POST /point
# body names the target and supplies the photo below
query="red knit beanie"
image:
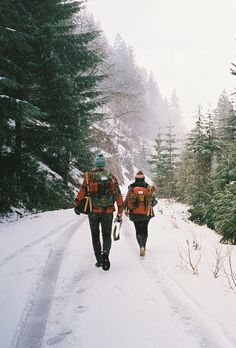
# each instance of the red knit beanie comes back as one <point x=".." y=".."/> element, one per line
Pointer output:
<point x="139" y="175"/>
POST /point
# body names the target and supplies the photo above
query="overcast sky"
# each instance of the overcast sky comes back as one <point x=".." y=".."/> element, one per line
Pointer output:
<point x="188" y="44"/>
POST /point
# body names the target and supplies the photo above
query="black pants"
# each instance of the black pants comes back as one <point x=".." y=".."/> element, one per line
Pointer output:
<point x="141" y="228"/>
<point x="106" y="228"/>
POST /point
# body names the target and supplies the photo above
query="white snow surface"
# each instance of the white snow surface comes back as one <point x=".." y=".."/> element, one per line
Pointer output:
<point x="52" y="295"/>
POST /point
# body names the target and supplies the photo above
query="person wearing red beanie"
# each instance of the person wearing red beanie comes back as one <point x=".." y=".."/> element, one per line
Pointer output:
<point x="138" y="206"/>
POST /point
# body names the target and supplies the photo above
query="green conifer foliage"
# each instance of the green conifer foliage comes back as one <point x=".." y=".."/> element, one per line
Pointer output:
<point x="224" y="194"/>
<point x="67" y="85"/>
<point x="164" y="163"/>
<point x="207" y="174"/>
<point x="194" y="181"/>
<point x="18" y="110"/>
<point x="48" y="89"/>
<point x="157" y="164"/>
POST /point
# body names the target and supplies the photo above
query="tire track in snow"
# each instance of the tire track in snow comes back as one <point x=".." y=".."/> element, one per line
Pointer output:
<point x="214" y="336"/>
<point x="196" y="322"/>
<point x="185" y="308"/>
<point x="27" y="246"/>
<point x="187" y="313"/>
<point x="32" y="325"/>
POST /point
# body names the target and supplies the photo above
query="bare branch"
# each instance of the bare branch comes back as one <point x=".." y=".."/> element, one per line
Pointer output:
<point x="188" y="261"/>
<point x="219" y="260"/>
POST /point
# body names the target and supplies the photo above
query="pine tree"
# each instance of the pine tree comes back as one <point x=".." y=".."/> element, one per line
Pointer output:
<point x="194" y="181"/>
<point x="224" y="188"/>
<point x="18" y="108"/>
<point x="141" y="157"/>
<point x="157" y="114"/>
<point x="157" y="164"/>
<point x="127" y="98"/>
<point x="222" y="109"/>
<point x="68" y="85"/>
<point x="170" y="152"/>
<point x="175" y="114"/>
<point x="49" y="92"/>
<point x="164" y="163"/>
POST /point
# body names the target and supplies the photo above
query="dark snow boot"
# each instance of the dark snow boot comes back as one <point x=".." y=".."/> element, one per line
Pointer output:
<point x="105" y="262"/>
<point x="98" y="264"/>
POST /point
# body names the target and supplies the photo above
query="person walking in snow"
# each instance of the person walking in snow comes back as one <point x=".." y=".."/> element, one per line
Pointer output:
<point x="101" y="190"/>
<point x="139" y="203"/>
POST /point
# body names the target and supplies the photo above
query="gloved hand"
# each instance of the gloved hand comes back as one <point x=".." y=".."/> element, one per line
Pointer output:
<point x="76" y="210"/>
<point x="118" y="218"/>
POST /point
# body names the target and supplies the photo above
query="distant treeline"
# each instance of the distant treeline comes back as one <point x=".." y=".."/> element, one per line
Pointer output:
<point x="203" y="175"/>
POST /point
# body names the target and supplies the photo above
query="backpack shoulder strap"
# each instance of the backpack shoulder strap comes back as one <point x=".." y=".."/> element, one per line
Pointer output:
<point x="88" y="177"/>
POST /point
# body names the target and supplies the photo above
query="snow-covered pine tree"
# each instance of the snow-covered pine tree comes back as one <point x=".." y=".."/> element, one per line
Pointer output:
<point x="222" y="109"/>
<point x="224" y="185"/>
<point x="194" y="182"/>
<point x="120" y="132"/>
<point x="157" y="114"/>
<point x="48" y="97"/>
<point x="175" y="115"/>
<point x="157" y="164"/>
<point x="127" y="90"/>
<point x="164" y="163"/>
<point x="170" y="152"/>
<point x="68" y="86"/>
<point x="141" y="159"/>
<point x="19" y="109"/>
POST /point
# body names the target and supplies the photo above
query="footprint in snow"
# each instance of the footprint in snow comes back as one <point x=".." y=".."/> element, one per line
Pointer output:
<point x="185" y="320"/>
<point x="80" y="291"/>
<point x="58" y="338"/>
<point x="82" y="309"/>
<point x="118" y="289"/>
<point x="59" y="298"/>
<point x="150" y="300"/>
<point x="204" y="343"/>
<point x="175" y="309"/>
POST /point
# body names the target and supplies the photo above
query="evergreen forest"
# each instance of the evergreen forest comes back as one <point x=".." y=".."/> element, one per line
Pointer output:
<point x="203" y="173"/>
<point x="66" y="94"/>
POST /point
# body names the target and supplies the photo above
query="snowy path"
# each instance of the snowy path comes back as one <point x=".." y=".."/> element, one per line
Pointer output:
<point x="26" y="248"/>
<point x="126" y="307"/>
<point x="31" y="331"/>
<point x="59" y="298"/>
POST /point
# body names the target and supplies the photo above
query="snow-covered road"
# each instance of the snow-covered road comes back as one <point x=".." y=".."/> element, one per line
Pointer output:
<point x="51" y="294"/>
